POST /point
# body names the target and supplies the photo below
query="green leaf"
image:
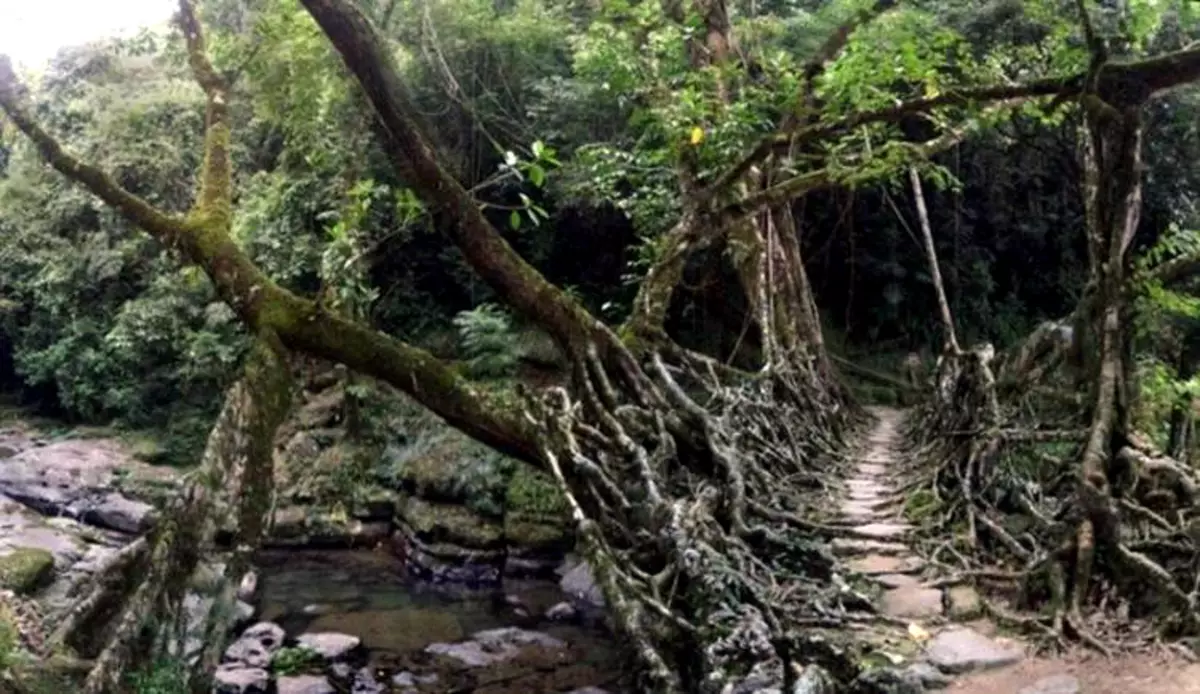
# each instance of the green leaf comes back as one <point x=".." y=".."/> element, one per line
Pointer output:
<point x="514" y="219"/>
<point x="537" y="175"/>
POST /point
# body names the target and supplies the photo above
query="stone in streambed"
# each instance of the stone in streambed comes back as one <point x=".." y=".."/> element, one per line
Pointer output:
<point x="304" y="684"/>
<point x="957" y="651"/>
<point x="330" y="645"/>
<point x="232" y="678"/>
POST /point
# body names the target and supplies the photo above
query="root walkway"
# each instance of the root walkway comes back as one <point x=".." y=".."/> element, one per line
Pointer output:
<point x="936" y="629"/>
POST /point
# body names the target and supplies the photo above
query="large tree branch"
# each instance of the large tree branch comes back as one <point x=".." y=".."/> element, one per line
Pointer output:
<point x="204" y="240"/>
<point x="214" y="201"/>
<point x="1117" y="83"/>
<point x="516" y="282"/>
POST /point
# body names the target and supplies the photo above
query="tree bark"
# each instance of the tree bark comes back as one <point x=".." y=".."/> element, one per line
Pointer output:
<point x="951" y="339"/>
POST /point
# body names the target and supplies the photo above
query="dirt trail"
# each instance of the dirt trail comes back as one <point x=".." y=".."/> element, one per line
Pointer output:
<point x="964" y="652"/>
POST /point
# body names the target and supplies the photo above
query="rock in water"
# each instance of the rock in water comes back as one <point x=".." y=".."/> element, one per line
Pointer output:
<point x="232" y="678"/>
<point x="330" y="645"/>
<point x="256" y="646"/>
<point x="304" y="684"/>
<point x="956" y="651"/>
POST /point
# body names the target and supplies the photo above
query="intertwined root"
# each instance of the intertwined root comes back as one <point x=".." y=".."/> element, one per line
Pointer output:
<point x="1013" y="497"/>
<point x="692" y="516"/>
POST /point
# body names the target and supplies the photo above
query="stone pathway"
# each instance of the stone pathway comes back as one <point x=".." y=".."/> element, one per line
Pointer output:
<point x="877" y="547"/>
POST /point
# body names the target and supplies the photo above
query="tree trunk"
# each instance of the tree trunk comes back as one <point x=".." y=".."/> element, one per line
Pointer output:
<point x="950" y="339"/>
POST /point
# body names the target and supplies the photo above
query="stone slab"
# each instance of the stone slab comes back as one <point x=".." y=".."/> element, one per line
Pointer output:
<point x="1055" y="684"/>
<point x="897" y="580"/>
<point x="960" y="650"/>
<point x="912" y="602"/>
<point x="882" y="531"/>
<point x="843" y="545"/>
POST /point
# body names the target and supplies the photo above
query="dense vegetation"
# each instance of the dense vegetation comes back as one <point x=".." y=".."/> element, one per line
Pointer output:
<point x="728" y="187"/>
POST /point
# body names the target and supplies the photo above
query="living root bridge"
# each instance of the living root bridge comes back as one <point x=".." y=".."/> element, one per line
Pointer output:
<point x="691" y="517"/>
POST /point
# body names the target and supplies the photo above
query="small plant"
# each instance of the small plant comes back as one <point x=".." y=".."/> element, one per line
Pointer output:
<point x="487" y="336"/>
<point x="162" y="677"/>
<point x="294" y="660"/>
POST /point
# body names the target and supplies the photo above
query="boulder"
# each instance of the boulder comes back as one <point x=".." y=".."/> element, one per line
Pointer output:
<point x="233" y="678"/>
<point x="580" y="585"/>
<point x="76" y="479"/>
<point x="256" y="646"/>
<point x="493" y="646"/>
<point x="957" y="651"/>
<point x="304" y="684"/>
<point x="23" y="570"/>
<point x="330" y="645"/>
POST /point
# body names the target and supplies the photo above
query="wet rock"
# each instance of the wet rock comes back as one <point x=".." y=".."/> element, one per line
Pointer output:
<point x="238" y="679"/>
<point x="814" y="680"/>
<point x="365" y="683"/>
<point x="580" y="585"/>
<point x="410" y="679"/>
<point x="330" y="645"/>
<point x="562" y="612"/>
<point x="248" y="587"/>
<point x="304" y="684"/>
<point x="887" y="680"/>
<point x="929" y="676"/>
<point x="957" y="651"/>
<point x="493" y="646"/>
<point x="912" y="602"/>
<point x="256" y="646"/>
<point x="449" y="563"/>
<point x="75" y="479"/>
<point x="1055" y="684"/>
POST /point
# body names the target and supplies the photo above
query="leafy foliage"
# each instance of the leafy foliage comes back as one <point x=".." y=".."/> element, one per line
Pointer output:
<point x="488" y="341"/>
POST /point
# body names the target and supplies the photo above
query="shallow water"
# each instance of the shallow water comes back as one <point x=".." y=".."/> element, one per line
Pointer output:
<point x="369" y="595"/>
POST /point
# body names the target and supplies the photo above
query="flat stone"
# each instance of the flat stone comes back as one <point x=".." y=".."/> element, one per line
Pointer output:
<point x="330" y="645"/>
<point x="912" y="602"/>
<point x="842" y="545"/>
<point x="1055" y="684"/>
<point x="866" y="495"/>
<point x="876" y="564"/>
<point x="304" y="684"/>
<point x="957" y="651"/>
<point x="896" y="580"/>
<point x="872" y="470"/>
<point x="964" y="602"/>
<point x="236" y="679"/>
<point x="882" y="531"/>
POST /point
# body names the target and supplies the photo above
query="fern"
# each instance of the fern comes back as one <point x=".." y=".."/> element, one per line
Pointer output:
<point x="488" y="340"/>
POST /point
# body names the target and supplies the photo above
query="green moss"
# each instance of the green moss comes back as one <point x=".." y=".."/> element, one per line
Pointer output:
<point x="433" y="522"/>
<point x="920" y="505"/>
<point x="537" y="534"/>
<point x="531" y="492"/>
<point x="25" y="569"/>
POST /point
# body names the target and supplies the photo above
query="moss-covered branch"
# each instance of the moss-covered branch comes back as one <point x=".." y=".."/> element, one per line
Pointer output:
<point x="203" y="238"/>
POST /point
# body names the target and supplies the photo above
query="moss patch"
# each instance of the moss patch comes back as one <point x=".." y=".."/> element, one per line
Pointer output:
<point x="537" y="534"/>
<point x="434" y="522"/>
<point x="531" y="492"/>
<point x="25" y="569"/>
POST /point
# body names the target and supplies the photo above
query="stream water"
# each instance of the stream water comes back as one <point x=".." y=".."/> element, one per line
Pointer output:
<point x="369" y="595"/>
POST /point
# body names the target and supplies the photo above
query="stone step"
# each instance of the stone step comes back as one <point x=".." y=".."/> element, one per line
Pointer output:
<point x="871" y="470"/>
<point x="871" y="495"/>
<point x="844" y="546"/>
<point x="877" y="564"/>
<point x="896" y="580"/>
<point x="911" y="602"/>
<point x="882" y="531"/>
<point x="959" y="650"/>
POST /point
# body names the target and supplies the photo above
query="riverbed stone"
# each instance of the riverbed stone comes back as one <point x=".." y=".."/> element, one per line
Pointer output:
<point x="960" y="650"/>
<point x="256" y="646"/>
<point x="580" y="585"/>
<point x="304" y="684"/>
<point x="238" y="679"/>
<point x="330" y="645"/>
<point x="493" y="646"/>
<point x="1055" y="684"/>
<point x="912" y="602"/>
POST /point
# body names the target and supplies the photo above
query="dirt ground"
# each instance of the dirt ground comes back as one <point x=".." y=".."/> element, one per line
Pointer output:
<point x="1126" y="674"/>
